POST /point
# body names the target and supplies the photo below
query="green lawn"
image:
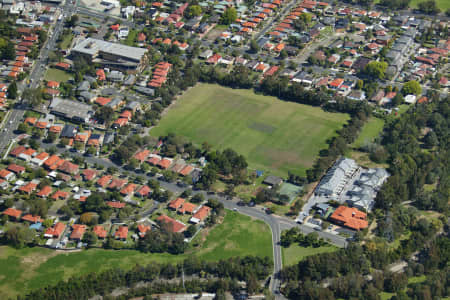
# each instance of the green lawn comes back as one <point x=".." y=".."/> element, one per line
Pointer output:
<point x="443" y="5"/>
<point x="67" y="40"/>
<point x="57" y="75"/>
<point x="295" y="253"/>
<point x="32" y="268"/>
<point x="275" y="136"/>
<point x="369" y="132"/>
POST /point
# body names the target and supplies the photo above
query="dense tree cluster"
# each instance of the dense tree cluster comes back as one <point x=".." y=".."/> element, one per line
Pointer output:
<point x="160" y="278"/>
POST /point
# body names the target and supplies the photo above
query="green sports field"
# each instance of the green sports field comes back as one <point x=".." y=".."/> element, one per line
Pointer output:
<point x="275" y="136"/>
<point x="33" y="268"/>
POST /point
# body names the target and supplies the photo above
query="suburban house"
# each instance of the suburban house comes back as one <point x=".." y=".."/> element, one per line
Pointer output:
<point x="173" y="225"/>
<point x="121" y="233"/>
<point x="349" y="217"/>
<point x="55" y="231"/>
<point x="78" y="231"/>
<point x="200" y="215"/>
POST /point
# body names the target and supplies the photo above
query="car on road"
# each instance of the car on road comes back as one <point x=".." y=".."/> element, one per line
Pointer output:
<point x="235" y="209"/>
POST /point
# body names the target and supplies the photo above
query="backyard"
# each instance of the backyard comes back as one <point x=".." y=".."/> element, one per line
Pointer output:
<point x="275" y="136"/>
<point x="57" y="75"/>
<point x="32" y="268"/>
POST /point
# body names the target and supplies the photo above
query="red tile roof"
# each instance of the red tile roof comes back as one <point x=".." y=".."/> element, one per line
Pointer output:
<point x="89" y="174"/>
<point x="186" y="170"/>
<point x="188" y="208"/>
<point x="165" y="163"/>
<point x="32" y="219"/>
<point x="177" y="203"/>
<point x="16" y="168"/>
<point x="174" y="225"/>
<point x="28" y="188"/>
<point x="143" y="191"/>
<point x="349" y="217"/>
<point x="129" y="189"/>
<point x="117" y="183"/>
<point x="142" y="155"/>
<point x="56" y="230"/>
<point x="104" y="180"/>
<point x="77" y="232"/>
<point x="68" y="167"/>
<point x="45" y="191"/>
<point x="60" y="195"/>
<point x="202" y="213"/>
<point x="100" y="231"/>
<point x="4" y="173"/>
<point x="143" y="229"/>
<point x="115" y="204"/>
<point x="122" y="232"/>
<point x="102" y="101"/>
<point x="12" y="212"/>
<point x="18" y="150"/>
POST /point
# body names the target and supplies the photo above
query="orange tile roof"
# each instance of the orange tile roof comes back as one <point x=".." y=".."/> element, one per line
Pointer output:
<point x="16" y="168"/>
<point x="143" y="191"/>
<point x="129" y="189"/>
<point x="177" y="203"/>
<point x="52" y="160"/>
<point x="32" y="219"/>
<point x="18" y="150"/>
<point x="12" y="212"/>
<point x="189" y="207"/>
<point x="142" y="155"/>
<point x="115" y="204"/>
<point x="186" y="170"/>
<point x="350" y="217"/>
<point x="117" y="183"/>
<point x="4" y="173"/>
<point x="60" y="195"/>
<point x="89" y="174"/>
<point x="175" y="226"/>
<point x="45" y="191"/>
<point x="143" y="229"/>
<point x="102" y="101"/>
<point x="104" y="180"/>
<point x="202" y="213"/>
<point x="42" y="156"/>
<point x="122" y="232"/>
<point x="100" y="231"/>
<point x="56" y="230"/>
<point x="28" y="188"/>
<point x="55" y="129"/>
<point x="30" y="120"/>
<point x="165" y="163"/>
<point x="77" y="232"/>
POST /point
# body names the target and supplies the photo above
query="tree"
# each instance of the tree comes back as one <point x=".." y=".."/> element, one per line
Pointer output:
<point x="105" y="115"/>
<point x="12" y="90"/>
<point x="193" y="11"/>
<point x="32" y="96"/>
<point x="430" y="140"/>
<point x="412" y="87"/>
<point x="8" y="52"/>
<point x="18" y="236"/>
<point x="254" y="48"/>
<point x="72" y="21"/>
<point x="429" y="7"/>
<point x="376" y="69"/>
<point x="229" y="16"/>
<point x="90" y="238"/>
<point x="397" y="100"/>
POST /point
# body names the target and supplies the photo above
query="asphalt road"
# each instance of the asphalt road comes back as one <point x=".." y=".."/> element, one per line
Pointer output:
<point x="276" y="223"/>
<point x="37" y="73"/>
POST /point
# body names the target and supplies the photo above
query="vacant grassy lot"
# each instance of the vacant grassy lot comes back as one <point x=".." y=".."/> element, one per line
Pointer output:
<point x="57" y="75"/>
<point x="369" y="132"/>
<point x="295" y="253"/>
<point x="273" y="135"/>
<point x="32" y="268"/>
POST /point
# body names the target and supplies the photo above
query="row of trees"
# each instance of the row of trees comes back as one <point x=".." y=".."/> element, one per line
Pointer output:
<point x="249" y="269"/>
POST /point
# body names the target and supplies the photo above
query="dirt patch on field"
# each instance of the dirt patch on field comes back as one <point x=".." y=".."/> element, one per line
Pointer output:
<point x="261" y="127"/>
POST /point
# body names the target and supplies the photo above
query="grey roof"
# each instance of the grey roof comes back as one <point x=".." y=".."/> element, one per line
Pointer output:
<point x="109" y="91"/>
<point x="272" y="180"/>
<point x="74" y="110"/>
<point x="89" y="78"/>
<point x="86" y="96"/>
<point x="133" y="105"/>
<point x="84" y="86"/>
<point x="92" y="47"/>
<point x="129" y="80"/>
<point x="114" y="102"/>
<point x="115" y="76"/>
<point x="145" y="90"/>
<point x="108" y="138"/>
<point x="68" y="131"/>
<point x="333" y="181"/>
